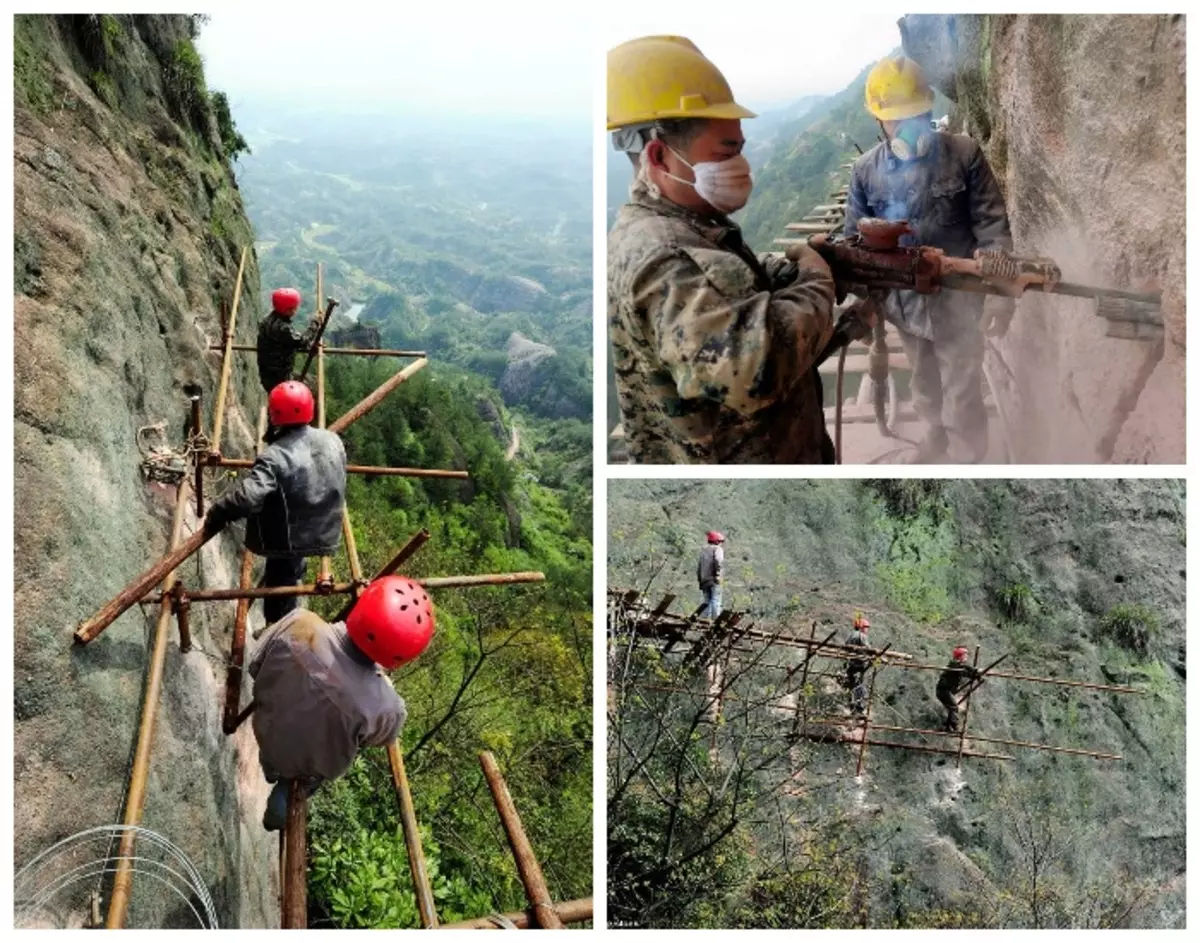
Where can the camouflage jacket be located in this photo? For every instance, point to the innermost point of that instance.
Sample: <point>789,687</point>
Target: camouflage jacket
<point>951,200</point>
<point>277,346</point>
<point>713,348</point>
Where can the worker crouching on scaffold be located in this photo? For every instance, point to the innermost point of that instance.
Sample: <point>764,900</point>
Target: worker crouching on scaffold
<point>321,691</point>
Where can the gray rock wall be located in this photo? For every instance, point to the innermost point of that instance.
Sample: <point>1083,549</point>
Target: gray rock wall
<point>1083,120</point>
<point>128,230</point>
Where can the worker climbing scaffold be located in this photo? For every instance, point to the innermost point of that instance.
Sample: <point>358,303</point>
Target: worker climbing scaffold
<point>320,691</point>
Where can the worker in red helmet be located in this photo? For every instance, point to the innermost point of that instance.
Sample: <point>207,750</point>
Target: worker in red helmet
<point>953,677</point>
<point>292,497</point>
<point>856,668</point>
<point>709,571</point>
<point>321,690</point>
<point>278,341</point>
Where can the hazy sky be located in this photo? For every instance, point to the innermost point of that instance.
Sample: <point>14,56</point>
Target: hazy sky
<point>434,57</point>
<point>779,53</point>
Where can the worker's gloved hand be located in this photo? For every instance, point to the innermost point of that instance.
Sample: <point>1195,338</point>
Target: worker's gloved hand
<point>216,520</point>
<point>997,315</point>
<point>807,259</point>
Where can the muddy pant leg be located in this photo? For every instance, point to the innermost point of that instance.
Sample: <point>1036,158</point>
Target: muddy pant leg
<point>959,348</point>
<point>926,389</point>
<point>948,702</point>
<point>281,571</point>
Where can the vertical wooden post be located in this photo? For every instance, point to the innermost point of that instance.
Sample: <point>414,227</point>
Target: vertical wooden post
<point>237,655</point>
<point>862,747</point>
<point>962,734</point>
<point>803,705</point>
<point>136,797</point>
<point>295,887</point>
<point>325,570</point>
<point>426,905</point>
<point>227,361</point>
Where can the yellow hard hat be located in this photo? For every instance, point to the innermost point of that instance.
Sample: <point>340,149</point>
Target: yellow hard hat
<point>665,77</point>
<point>897,89</point>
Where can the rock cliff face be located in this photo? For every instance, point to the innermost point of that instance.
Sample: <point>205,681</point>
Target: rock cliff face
<point>128,232</point>
<point>1041,570</point>
<point>1083,120</point>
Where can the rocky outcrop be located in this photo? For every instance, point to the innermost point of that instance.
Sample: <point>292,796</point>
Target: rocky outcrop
<point>1083,120</point>
<point>525,357</point>
<point>128,231</point>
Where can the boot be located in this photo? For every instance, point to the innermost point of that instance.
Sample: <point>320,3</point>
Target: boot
<point>275,816</point>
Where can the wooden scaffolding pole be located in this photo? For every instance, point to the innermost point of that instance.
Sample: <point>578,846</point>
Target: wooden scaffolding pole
<point>527,864</point>
<point>136,797</point>
<point>227,360</point>
<point>426,905</point>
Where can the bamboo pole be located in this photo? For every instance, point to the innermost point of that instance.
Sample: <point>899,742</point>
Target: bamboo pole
<point>862,749</point>
<point>571,911</point>
<point>802,706</point>
<point>89,629</point>
<point>338,589</point>
<point>966,702</point>
<point>237,653</point>
<point>426,904</point>
<point>527,865</point>
<point>492,579</point>
<point>339,351</point>
<point>356,412</point>
<point>838,738</point>
<point>414,543</point>
<point>1001,740</point>
<point>295,890</point>
<point>136,796</point>
<point>363,469</point>
<point>227,360</point>
<point>325,568</point>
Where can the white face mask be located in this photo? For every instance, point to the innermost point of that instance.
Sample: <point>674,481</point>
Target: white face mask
<point>724,184</point>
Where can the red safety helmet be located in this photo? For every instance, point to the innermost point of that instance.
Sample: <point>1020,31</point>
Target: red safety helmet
<point>285,301</point>
<point>392,622</point>
<point>716,537</point>
<point>960,654</point>
<point>290,404</point>
<point>862,623</point>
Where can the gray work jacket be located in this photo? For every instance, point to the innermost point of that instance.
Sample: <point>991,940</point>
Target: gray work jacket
<point>293,496</point>
<point>319,700</point>
<point>952,201</point>
<point>710,566</point>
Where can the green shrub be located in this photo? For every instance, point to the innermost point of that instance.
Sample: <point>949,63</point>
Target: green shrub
<point>103,86</point>
<point>1017,602</point>
<point>231,139</point>
<point>186,91</point>
<point>1131,625</point>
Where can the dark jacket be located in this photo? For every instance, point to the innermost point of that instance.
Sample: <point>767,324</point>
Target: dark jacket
<point>856,639</point>
<point>952,201</point>
<point>954,676</point>
<point>319,699</point>
<point>711,566</point>
<point>293,496</point>
<point>277,346</point>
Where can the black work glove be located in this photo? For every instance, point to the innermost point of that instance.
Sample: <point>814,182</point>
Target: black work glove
<point>216,520</point>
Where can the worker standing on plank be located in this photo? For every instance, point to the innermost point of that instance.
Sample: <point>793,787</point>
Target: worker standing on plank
<point>322,691</point>
<point>278,342</point>
<point>710,568</point>
<point>856,668</point>
<point>293,495</point>
<point>714,347</point>
<point>942,184</point>
<point>951,681</point>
